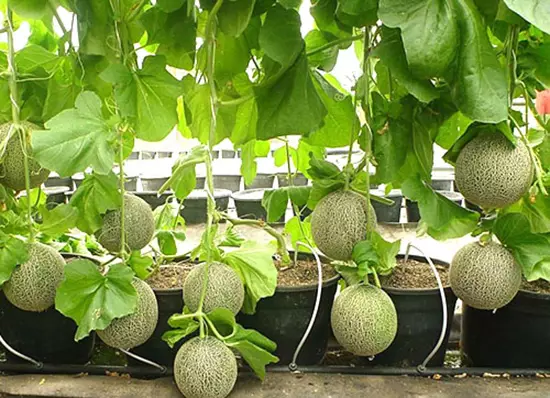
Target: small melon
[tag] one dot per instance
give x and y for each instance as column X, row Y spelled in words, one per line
column 485, row 277
column 364, row 320
column 491, row 173
column 205, row 368
column 139, row 224
column 33, row 285
column 339, row 221
column 135, row 329
column 12, row 169
column 225, row 288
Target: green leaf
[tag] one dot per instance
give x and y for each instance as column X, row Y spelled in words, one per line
column 170, row 5
column 536, row 12
column 423, row 148
column 374, row 255
column 76, row 139
column 280, row 36
column 291, row 106
column 246, row 119
column 59, row 220
column 234, row 16
column 167, row 243
column 275, row 202
column 93, row 300
column 184, row 327
column 430, row 32
column 391, row 53
column 94, row 197
column 443, row 218
column 299, row 231
column 452, row 129
column 167, row 217
column 321, row 169
column 357, row 12
column 33, row 57
column 148, row 97
column 324, row 13
column 254, row 264
column 536, row 209
column 143, row 266
column 248, row 162
column 322, row 188
column 256, row 357
column 33, row 9
column 529, row 249
column 183, row 179
column 341, row 121
column 478, row 85
column 326, row 59
column 13, row 252
column 63, row 88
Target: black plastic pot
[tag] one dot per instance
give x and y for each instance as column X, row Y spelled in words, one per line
column 413, row 213
column 170, row 301
column 152, row 198
column 388, row 213
column 228, row 154
column 147, row 155
column 153, row 183
column 262, row 181
column 249, row 204
column 229, row 182
column 194, row 206
column 297, row 180
column 284, row 318
column 44, row 336
column 56, row 195
column 514, row 336
column 443, row 182
column 419, row 322
column 164, row 155
column 130, row 183
column 54, row 180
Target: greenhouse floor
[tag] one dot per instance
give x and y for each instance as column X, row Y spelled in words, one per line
column 278, row 385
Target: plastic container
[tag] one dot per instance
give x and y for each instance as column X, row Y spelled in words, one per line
column 262, row 181
column 153, row 183
column 249, row 204
column 153, row 199
column 194, row 206
column 56, row 195
column 413, row 213
column 298, row 180
column 388, row 213
column 515, row 336
column 130, row 183
column 54, row 180
column 285, row 316
column 229, row 182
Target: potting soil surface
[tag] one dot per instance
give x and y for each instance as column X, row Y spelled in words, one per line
column 539, row 286
column 302, row 273
column 170, row 277
column 412, row 274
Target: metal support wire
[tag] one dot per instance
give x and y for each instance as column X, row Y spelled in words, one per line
column 144, row 360
column 293, row 366
column 422, row 367
column 36, row 363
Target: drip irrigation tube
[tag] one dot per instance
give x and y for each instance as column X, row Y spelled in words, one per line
column 150, row 372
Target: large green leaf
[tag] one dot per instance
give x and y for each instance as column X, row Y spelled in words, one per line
column 94, row 197
column 93, row 300
column 234, row 16
column 34, row 9
column 63, row 88
column 442, row 218
column 254, row 264
column 280, row 36
column 76, row 139
column 183, row 179
column 326, row 59
column 32, row 57
column 148, row 97
column 390, row 147
column 275, row 202
column 59, row 220
column 536, row 12
column 290, row 106
column 452, row 129
column 390, row 51
column 528, row 248
column 13, row 252
column 357, row 12
column 536, row 209
column 430, row 32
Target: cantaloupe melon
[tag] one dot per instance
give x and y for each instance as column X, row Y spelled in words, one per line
column 139, row 224
column 364, row 320
column 339, row 221
column 33, row 285
column 491, row 173
column 133, row 330
column 205, row 368
column 225, row 288
column 485, row 277
column 12, row 170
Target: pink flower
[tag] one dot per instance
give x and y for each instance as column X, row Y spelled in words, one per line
column 542, row 103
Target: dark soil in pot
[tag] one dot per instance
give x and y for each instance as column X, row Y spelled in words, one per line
column 249, row 204
column 262, row 181
column 285, row 316
column 298, row 180
column 514, row 336
column 413, row 289
column 45, row 336
column 229, row 182
column 168, row 287
column 152, row 198
column 388, row 213
column 413, row 213
column 194, row 206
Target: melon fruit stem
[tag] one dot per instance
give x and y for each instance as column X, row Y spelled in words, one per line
column 15, row 112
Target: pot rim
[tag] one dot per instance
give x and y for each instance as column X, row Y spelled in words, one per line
column 534, row 295
column 237, row 196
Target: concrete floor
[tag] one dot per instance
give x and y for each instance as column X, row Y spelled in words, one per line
column 278, row 385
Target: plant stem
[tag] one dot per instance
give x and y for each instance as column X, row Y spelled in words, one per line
column 511, row 49
column 333, row 43
column 61, row 25
column 211, row 203
column 122, row 193
column 288, row 168
column 376, row 279
column 366, row 110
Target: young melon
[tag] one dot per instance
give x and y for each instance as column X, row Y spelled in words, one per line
column 485, row 277
column 139, row 224
column 12, row 169
column 33, row 285
column 491, row 173
column 339, row 221
column 205, row 368
column 225, row 288
column 364, row 320
column 133, row 330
